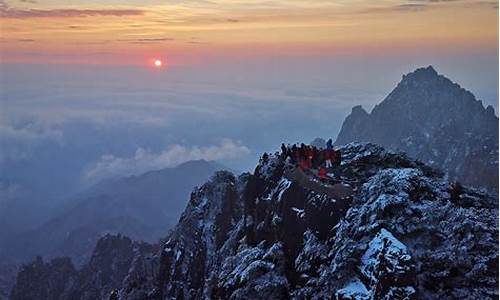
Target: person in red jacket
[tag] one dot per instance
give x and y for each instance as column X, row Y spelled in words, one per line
column 303, row 164
column 333, row 155
column 309, row 156
column 322, row 172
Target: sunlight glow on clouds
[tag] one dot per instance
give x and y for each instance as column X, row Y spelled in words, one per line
column 237, row 69
column 128, row 32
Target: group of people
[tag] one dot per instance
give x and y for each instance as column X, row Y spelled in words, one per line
column 308, row 157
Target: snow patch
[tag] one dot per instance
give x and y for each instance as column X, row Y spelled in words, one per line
column 300, row 212
column 354, row 290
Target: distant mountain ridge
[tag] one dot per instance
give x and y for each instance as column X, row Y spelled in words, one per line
column 436, row 121
column 143, row 207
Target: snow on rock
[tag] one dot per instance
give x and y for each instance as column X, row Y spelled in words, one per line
column 277, row 192
column 266, row 169
column 354, row 290
column 313, row 253
column 254, row 273
column 386, row 265
column 298, row 211
column 391, row 248
column 399, row 235
column 283, row 185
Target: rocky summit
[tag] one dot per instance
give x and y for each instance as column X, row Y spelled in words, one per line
column 380, row 226
column 114, row 257
column 433, row 119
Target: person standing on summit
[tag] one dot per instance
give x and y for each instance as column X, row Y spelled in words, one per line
column 294, row 154
column 329, row 145
column 329, row 153
column 284, row 151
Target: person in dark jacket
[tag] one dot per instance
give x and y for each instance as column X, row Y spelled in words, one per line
column 329, row 144
column 265, row 157
column 318, row 158
column 284, row 151
column 294, row 154
column 302, row 151
column 338, row 158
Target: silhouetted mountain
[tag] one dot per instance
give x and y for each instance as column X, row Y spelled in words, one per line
column 58, row 279
column 434, row 120
column 403, row 233
column 143, row 207
column 319, row 143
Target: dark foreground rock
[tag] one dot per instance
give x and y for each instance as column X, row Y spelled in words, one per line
column 112, row 260
column 277, row 235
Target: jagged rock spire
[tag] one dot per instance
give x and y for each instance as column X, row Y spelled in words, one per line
column 435, row 120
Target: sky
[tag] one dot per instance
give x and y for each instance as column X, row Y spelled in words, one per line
column 196, row 31
column 82, row 101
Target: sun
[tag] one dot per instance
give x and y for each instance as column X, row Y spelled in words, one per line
column 158, row 63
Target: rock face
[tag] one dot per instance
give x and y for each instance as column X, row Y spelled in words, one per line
column 40, row 280
column 111, row 262
column 436, row 121
column 267, row 235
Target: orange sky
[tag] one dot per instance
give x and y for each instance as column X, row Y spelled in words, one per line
column 132, row 31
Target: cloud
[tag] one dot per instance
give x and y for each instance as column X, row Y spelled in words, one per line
column 8, row 12
column 489, row 4
column 77, row 27
column 405, row 7
column 145, row 160
column 416, row 5
column 30, row 133
column 436, row 0
column 420, row 5
column 154, row 39
column 18, row 143
column 410, row 7
column 10, row 191
column 146, row 40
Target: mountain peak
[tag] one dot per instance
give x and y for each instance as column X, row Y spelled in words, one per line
column 358, row 110
column 429, row 70
column 433, row 119
column 422, row 74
